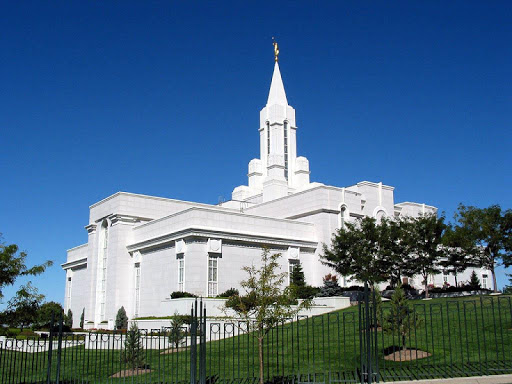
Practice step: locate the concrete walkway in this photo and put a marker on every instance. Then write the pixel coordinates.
(494, 379)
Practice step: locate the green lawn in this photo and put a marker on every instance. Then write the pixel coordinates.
(466, 336)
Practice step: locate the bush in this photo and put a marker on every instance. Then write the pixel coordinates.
(68, 319)
(179, 295)
(230, 292)
(177, 332)
(121, 319)
(330, 287)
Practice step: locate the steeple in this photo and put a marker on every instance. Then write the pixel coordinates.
(279, 171)
(277, 95)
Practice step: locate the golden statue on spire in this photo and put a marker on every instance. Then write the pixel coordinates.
(276, 49)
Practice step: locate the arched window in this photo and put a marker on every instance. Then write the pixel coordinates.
(343, 216)
(102, 268)
(379, 216)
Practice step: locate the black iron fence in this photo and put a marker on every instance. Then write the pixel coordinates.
(370, 342)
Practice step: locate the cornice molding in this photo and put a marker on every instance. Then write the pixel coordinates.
(224, 235)
(74, 263)
(91, 228)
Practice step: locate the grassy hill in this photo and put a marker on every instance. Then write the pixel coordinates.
(463, 336)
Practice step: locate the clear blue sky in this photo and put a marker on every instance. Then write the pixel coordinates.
(163, 98)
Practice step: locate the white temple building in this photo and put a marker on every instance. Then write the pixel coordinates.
(142, 248)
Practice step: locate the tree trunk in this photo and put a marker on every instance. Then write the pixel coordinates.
(456, 283)
(426, 287)
(260, 352)
(493, 273)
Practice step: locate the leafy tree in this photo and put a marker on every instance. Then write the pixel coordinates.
(426, 248)
(330, 287)
(396, 247)
(402, 319)
(68, 319)
(508, 288)
(12, 265)
(121, 319)
(47, 311)
(474, 281)
(357, 249)
(82, 319)
(177, 332)
(265, 304)
(459, 251)
(490, 228)
(134, 354)
(23, 308)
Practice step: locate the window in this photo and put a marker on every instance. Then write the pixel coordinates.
(69, 293)
(285, 127)
(291, 265)
(181, 274)
(102, 256)
(343, 216)
(484, 281)
(212, 276)
(268, 138)
(137, 289)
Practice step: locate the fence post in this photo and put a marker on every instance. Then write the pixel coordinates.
(50, 350)
(59, 349)
(193, 343)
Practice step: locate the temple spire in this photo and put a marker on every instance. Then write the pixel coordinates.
(277, 95)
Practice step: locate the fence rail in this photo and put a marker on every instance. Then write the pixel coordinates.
(370, 342)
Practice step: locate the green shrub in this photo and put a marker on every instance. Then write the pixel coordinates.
(121, 319)
(230, 292)
(179, 295)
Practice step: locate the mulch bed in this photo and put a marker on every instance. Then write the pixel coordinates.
(131, 372)
(407, 355)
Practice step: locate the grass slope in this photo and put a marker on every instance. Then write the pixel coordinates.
(465, 336)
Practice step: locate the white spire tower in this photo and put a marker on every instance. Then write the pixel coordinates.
(278, 172)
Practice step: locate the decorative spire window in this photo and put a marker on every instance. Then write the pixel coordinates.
(285, 127)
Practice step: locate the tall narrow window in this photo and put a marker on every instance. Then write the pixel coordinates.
(268, 138)
(484, 281)
(212, 276)
(291, 265)
(137, 289)
(181, 274)
(285, 127)
(69, 293)
(343, 213)
(103, 277)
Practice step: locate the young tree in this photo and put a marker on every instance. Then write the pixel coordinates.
(426, 246)
(474, 281)
(357, 250)
(266, 302)
(48, 311)
(121, 319)
(134, 354)
(177, 332)
(459, 251)
(68, 319)
(23, 308)
(402, 320)
(491, 229)
(82, 319)
(12, 265)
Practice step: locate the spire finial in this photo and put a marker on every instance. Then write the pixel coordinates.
(276, 49)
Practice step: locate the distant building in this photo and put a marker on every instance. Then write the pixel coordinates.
(141, 248)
